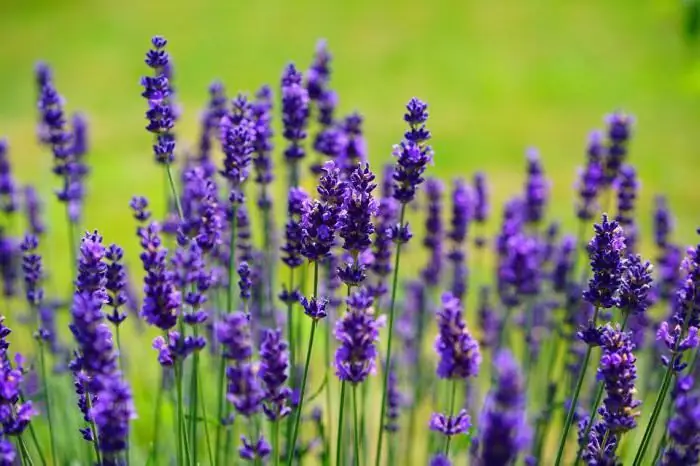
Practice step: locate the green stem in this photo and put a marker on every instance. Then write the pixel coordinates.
(173, 190)
(392, 306)
(93, 428)
(276, 442)
(338, 444)
(24, 455)
(35, 441)
(194, 401)
(451, 413)
(314, 323)
(356, 424)
(206, 424)
(574, 399)
(47, 397)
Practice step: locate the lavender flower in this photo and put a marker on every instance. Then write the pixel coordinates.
(519, 271)
(434, 237)
(440, 460)
(595, 453)
(8, 190)
(394, 399)
(202, 214)
(139, 206)
(161, 298)
(33, 271)
(489, 321)
(635, 285)
(79, 169)
(357, 331)
(684, 428)
(112, 412)
(412, 154)
(295, 114)
(244, 390)
(319, 72)
(536, 189)
(237, 142)
(618, 371)
(626, 194)
(274, 366)
(663, 222)
(210, 120)
(262, 161)
(355, 151)
(233, 334)
(481, 204)
(591, 178)
(192, 275)
(605, 251)
(450, 426)
(458, 350)
(619, 132)
(94, 340)
(254, 452)
(8, 264)
(158, 91)
(386, 217)
(355, 225)
(563, 266)
(92, 271)
(33, 208)
(504, 432)
(314, 307)
(15, 414)
(292, 248)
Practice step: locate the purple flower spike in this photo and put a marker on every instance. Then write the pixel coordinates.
(237, 142)
(254, 452)
(292, 248)
(504, 432)
(684, 429)
(636, 285)
(233, 334)
(435, 233)
(605, 251)
(440, 460)
(274, 366)
(92, 271)
(591, 179)
(618, 371)
(458, 350)
(295, 113)
(161, 297)
(262, 161)
(357, 332)
(33, 207)
(157, 89)
(314, 307)
(319, 72)
(627, 187)
(536, 188)
(450, 425)
(619, 133)
(244, 390)
(33, 270)
(8, 190)
(413, 154)
(663, 222)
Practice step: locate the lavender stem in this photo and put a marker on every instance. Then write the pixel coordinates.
(338, 446)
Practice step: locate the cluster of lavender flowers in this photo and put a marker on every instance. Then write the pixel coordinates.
(515, 348)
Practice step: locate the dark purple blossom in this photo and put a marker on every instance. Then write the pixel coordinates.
(619, 132)
(684, 428)
(244, 282)
(233, 334)
(157, 89)
(319, 72)
(237, 142)
(605, 251)
(481, 205)
(519, 273)
(295, 113)
(33, 209)
(564, 263)
(262, 160)
(112, 411)
(9, 261)
(635, 286)
(314, 307)
(161, 297)
(254, 451)
(193, 278)
(139, 206)
(358, 332)
(203, 218)
(536, 189)
(440, 460)
(395, 401)
(244, 390)
(435, 232)
(92, 270)
(595, 453)
(618, 372)
(355, 150)
(503, 426)
(296, 201)
(274, 368)
(450, 425)
(386, 218)
(627, 187)
(8, 455)
(413, 154)
(15, 414)
(590, 179)
(8, 188)
(116, 282)
(663, 222)
(210, 120)
(33, 271)
(458, 351)
(489, 321)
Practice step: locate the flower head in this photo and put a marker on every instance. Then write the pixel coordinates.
(8, 190)
(33, 270)
(450, 425)
(635, 285)
(605, 251)
(295, 113)
(157, 90)
(413, 154)
(536, 188)
(274, 366)
(458, 350)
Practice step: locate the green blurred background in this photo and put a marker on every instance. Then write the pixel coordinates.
(499, 76)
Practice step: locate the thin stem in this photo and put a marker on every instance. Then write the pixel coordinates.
(314, 323)
(206, 424)
(173, 190)
(194, 401)
(451, 413)
(93, 428)
(47, 396)
(338, 444)
(392, 306)
(276, 442)
(574, 399)
(24, 451)
(357, 424)
(35, 441)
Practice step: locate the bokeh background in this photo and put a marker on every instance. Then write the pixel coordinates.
(499, 77)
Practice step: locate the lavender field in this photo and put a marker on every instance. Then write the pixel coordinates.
(258, 280)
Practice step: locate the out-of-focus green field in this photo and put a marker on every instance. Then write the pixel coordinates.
(499, 77)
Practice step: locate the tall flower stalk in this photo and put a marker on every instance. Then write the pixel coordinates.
(413, 155)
